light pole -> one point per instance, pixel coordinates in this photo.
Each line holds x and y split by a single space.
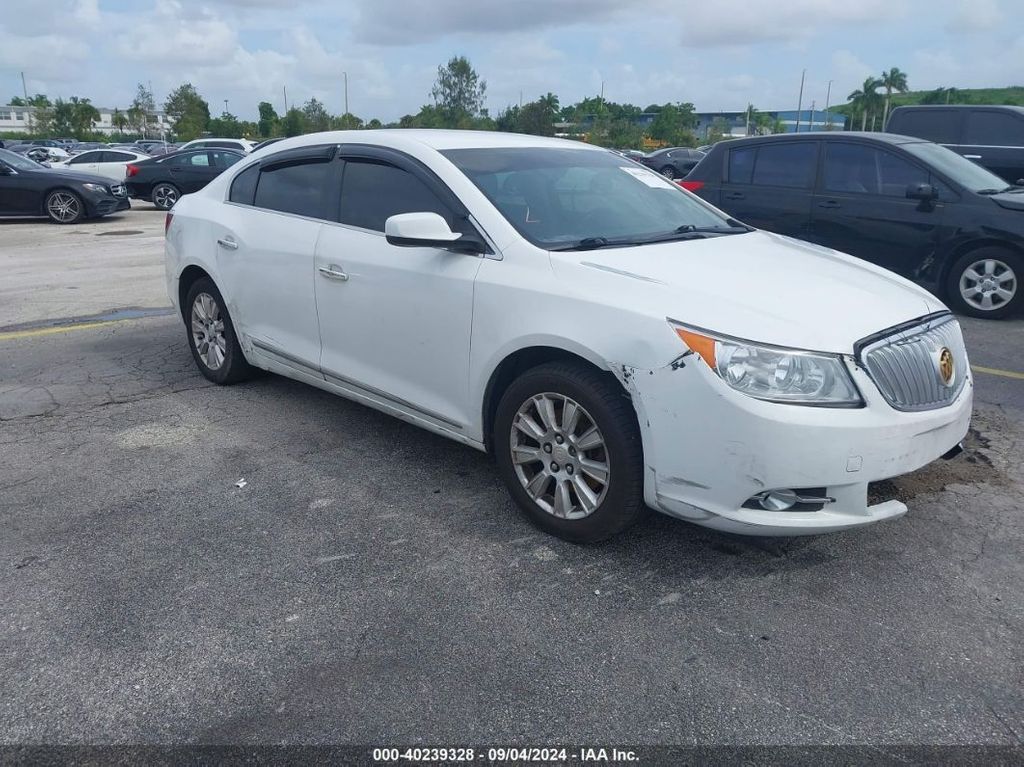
828 94
345 74
800 101
225 106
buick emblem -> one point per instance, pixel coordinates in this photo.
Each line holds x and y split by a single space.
946 366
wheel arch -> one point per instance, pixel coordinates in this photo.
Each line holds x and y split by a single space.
964 248
188 277
516 363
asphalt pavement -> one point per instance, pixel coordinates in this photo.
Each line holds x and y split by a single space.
266 563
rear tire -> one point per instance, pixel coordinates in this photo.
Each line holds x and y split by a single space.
668 172
577 472
211 335
987 283
165 195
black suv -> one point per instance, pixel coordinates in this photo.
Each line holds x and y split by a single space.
992 136
911 206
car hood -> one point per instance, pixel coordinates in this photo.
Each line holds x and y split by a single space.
74 175
757 286
1010 200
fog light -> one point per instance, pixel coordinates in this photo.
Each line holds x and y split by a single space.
778 500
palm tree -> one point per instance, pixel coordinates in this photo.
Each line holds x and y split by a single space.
893 80
864 99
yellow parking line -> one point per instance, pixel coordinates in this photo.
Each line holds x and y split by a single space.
15 334
998 372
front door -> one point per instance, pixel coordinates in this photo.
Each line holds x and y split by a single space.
395 321
861 208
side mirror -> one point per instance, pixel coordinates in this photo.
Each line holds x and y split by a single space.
5 170
923 192
426 230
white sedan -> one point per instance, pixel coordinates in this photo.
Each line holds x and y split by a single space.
111 163
614 341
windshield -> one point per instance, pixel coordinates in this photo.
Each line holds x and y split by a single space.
19 162
558 198
959 169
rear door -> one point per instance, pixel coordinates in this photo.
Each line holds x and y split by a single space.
994 138
87 162
861 207
112 164
190 172
769 185
265 240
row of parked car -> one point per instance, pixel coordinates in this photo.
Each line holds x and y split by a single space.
43 179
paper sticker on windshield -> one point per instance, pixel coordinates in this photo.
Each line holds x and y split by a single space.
649 177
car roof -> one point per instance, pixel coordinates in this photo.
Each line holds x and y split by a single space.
439 140
885 138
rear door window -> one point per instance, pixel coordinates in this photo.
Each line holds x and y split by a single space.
741 165
991 128
300 188
789 164
243 187
939 125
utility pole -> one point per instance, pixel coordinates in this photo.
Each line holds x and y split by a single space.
285 89
28 108
602 90
828 95
346 91
800 101
225 106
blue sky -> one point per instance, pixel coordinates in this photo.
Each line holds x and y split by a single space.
718 55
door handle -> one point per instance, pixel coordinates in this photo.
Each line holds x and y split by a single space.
227 242
828 204
972 156
333 272
734 195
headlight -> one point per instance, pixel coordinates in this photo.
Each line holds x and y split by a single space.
98 188
774 373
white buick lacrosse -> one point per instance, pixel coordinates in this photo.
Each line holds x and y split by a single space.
615 342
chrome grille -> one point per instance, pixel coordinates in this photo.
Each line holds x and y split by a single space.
905 365
117 190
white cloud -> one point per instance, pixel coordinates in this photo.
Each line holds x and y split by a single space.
974 16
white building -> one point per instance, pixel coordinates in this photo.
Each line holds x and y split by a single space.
20 119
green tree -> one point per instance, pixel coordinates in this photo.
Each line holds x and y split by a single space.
142 109
458 92
315 116
119 120
865 99
293 123
893 80
374 123
188 111
225 126
63 118
84 117
942 95
347 121
674 124
268 119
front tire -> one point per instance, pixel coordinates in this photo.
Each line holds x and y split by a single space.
986 283
211 335
568 447
165 195
64 207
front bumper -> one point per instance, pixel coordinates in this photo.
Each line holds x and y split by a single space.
709 449
104 204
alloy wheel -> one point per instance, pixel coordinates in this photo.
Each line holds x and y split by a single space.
165 196
208 331
988 284
64 207
559 455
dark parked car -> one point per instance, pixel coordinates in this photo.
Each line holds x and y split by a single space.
672 163
911 206
164 179
992 136
30 189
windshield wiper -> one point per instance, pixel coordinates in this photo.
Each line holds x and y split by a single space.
684 232
995 191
